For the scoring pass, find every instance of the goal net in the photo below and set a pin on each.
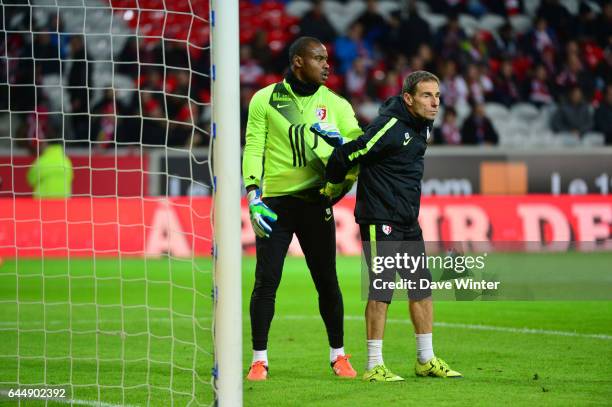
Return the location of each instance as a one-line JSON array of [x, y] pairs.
[[107, 289]]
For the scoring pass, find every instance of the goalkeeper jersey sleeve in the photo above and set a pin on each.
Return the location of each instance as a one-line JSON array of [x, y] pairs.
[[281, 156]]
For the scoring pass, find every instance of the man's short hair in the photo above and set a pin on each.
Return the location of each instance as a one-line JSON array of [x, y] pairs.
[[413, 79], [300, 46]]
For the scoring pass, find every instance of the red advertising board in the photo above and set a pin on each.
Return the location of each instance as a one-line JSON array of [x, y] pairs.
[[181, 226], [97, 175]]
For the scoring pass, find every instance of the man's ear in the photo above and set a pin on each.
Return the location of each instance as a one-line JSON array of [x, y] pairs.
[[408, 98], [298, 61]]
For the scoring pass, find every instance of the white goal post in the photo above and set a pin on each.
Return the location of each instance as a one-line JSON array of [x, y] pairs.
[[227, 229]]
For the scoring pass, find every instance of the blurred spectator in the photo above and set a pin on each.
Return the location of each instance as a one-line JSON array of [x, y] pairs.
[[375, 27], [549, 60], [540, 87], [104, 121], [604, 68], [127, 61], [315, 24], [557, 16], [154, 123], [477, 128], [411, 26], [58, 36], [453, 87], [447, 6], [357, 79], [476, 49], [586, 23], [391, 86], [46, 54], [427, 56], [573, 115], [448, 133], [79, 80], [504, 8], [574, 74], [476, 8], [507, 89], [449, 38], [250, 71], [367, 111], [351, 46], [175, 54], [51, 174], [603, 116], [479, 84], [542, 37], [603, 25], [507, 44], [262, 52]]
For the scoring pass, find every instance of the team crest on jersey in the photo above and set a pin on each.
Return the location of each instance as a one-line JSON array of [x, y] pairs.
[[321, 113], [387, 229]]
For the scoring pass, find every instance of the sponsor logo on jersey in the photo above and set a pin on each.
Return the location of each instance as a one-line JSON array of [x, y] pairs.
[[279, 97]]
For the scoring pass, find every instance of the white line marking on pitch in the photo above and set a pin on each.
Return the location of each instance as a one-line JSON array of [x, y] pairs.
[[72, 402], [474, 327]]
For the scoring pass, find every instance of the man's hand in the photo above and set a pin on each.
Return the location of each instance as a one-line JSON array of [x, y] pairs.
[[261, 215], [329, 133]]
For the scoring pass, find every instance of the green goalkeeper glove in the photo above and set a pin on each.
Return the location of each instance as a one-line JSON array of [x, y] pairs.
[[335, 192], [332, 191], [329, 133], [261, 214]]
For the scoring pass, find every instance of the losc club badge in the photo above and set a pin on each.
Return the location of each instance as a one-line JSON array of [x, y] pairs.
[[387, 229], [321, 113]]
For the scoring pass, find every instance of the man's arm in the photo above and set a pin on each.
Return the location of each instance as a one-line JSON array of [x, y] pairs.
[[252, 167], [366, 148], [252, 159]]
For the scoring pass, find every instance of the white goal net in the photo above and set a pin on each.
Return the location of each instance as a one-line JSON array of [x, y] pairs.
[[106, 195]]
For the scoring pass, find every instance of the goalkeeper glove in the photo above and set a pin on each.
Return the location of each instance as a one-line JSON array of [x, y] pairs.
[[329, 133], [261, 215], [332, 191]]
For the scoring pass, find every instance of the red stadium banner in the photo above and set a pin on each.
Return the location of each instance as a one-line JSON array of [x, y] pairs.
[[181, 226]]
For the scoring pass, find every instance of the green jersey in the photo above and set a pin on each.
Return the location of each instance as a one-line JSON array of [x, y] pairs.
[[279, 145], [51, 174]]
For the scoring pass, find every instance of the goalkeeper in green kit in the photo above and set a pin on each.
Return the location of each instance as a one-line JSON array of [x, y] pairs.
[[283, 170]]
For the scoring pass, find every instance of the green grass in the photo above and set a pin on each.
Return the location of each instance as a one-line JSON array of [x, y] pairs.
[[499, 366]]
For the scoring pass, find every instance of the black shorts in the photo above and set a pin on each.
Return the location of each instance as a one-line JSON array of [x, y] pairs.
[[390, 250]]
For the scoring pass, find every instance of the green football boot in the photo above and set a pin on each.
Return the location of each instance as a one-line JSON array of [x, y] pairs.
[[381, 373], [435, 367]]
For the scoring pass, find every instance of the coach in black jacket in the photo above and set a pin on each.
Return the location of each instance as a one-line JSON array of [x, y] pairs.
[[390, 155]]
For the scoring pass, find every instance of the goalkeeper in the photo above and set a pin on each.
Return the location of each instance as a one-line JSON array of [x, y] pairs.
[[287, 201], [390, 155]]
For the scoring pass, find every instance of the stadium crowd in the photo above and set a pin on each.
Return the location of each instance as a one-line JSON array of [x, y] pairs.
[[486, 53], [512, 66]]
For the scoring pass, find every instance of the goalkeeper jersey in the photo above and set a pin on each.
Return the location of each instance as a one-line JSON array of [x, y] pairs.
[[281, 155]]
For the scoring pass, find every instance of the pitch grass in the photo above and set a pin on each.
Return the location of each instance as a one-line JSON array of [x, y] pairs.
[[499, 366]]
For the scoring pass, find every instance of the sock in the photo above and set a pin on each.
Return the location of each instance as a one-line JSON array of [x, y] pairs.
[[424, 347], [334, 353], [375, 353], [260, 355]]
